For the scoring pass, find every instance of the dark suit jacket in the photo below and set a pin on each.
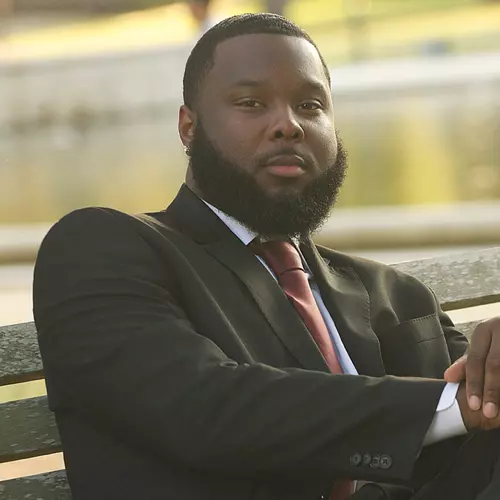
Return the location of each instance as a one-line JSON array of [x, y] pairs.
[[177, 368]]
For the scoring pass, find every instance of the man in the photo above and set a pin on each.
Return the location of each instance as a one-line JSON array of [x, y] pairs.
[[212, 351]]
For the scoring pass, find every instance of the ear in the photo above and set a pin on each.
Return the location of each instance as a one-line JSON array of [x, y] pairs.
[[186, 125]]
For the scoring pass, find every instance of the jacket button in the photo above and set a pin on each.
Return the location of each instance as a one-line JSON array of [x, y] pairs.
[[375, 463], [367, 458], [356, 459], [385, 462]]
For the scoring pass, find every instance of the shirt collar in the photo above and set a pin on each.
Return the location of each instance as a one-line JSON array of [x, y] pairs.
[[242, 232], [246, 235]]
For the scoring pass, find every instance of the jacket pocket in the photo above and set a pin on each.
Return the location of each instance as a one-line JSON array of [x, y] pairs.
[[416, 348]]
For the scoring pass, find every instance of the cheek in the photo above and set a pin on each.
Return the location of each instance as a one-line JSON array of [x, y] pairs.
[[323, 141], [240, 138]]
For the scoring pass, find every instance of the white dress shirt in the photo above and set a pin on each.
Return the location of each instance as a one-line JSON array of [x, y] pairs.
[[447, 421]]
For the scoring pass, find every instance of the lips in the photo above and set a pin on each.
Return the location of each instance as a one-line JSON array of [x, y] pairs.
[[292, 160], [286, 166]]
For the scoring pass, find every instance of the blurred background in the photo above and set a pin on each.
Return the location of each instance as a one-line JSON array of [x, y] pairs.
[[89, 93]]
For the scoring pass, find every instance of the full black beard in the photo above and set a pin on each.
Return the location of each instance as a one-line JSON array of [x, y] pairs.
[[231, 189]]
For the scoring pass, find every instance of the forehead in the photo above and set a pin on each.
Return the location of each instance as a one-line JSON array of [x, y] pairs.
[[266, 57]]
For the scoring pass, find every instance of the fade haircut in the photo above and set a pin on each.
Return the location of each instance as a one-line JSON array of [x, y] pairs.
[[202, 57]]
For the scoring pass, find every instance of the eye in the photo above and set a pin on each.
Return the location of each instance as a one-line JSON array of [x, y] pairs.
[[249, 103], [311, 106]]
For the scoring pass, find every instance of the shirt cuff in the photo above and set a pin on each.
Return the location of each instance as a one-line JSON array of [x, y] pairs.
[[447, 422]]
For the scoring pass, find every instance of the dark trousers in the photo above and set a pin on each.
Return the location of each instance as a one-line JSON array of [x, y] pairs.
[[472, 474]]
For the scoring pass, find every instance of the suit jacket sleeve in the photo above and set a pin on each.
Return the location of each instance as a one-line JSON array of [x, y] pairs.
[[121, 352]]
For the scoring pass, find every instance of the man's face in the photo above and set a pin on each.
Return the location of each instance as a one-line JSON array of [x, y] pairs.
[[264, 147]]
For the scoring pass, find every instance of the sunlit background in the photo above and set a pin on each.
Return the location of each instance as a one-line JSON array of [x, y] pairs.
[[89, 92], [89, 98]]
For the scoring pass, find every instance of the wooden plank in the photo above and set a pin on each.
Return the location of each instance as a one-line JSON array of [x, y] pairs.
[[460, 280], [49, 486], [28, 429], [19, 354]]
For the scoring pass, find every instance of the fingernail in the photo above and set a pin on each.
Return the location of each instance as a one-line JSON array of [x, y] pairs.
[[490, 410], [474, 403]]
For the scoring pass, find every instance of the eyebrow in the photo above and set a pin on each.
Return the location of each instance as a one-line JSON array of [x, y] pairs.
[[308, 84], [247, 82], [316, 85]]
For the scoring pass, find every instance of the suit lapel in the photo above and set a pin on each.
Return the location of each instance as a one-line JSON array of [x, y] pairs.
[[193, 217], [271, 300], [347, 300]]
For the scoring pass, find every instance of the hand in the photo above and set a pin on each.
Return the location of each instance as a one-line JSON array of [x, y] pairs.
[[474, 419], [480, 368]]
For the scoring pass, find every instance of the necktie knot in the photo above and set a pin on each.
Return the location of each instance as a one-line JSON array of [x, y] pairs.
[[281, 256]]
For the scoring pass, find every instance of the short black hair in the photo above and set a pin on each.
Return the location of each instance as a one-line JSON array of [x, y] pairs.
[[202, 57]]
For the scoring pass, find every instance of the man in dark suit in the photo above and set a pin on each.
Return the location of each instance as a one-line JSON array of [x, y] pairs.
[[212, 351]]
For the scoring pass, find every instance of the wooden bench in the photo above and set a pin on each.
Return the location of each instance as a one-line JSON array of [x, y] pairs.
[[28, 429]]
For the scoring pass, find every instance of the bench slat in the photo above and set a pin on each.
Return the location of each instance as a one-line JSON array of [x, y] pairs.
[[49, 486], [19, 356], [28, 429], [460, 280]]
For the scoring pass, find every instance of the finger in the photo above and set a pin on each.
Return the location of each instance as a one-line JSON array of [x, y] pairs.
[[476, 360], [491, 391], [456, 372]]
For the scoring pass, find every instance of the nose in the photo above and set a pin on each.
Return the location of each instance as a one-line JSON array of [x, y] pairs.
[[284, 125]]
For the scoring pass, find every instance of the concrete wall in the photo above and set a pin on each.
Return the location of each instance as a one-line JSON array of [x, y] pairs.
[[79, 91]]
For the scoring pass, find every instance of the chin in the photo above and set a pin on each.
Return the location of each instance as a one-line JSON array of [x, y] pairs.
[[284, 187]]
